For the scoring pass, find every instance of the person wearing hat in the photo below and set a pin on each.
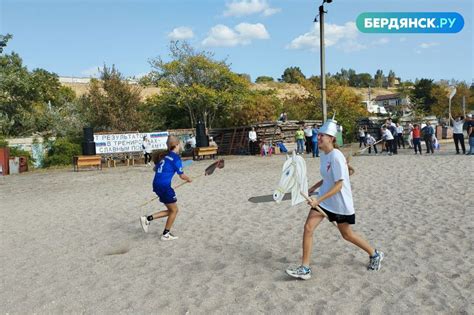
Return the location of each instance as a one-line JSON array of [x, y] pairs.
[[165, 169], [335, 199]]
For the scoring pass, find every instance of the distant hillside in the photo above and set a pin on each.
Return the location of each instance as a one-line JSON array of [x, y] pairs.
[[82, 88], [283, 90]]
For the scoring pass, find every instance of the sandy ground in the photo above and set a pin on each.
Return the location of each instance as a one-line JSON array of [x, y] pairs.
[[71, 242]]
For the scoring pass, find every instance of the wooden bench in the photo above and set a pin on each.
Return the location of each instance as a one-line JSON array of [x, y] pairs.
[[201, 152], [111, 159], [86, 160]]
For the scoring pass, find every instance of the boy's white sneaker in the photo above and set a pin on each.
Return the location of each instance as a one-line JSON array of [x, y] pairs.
[[144, 223], [168, 237]]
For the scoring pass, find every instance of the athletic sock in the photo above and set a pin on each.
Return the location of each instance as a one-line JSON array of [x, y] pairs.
[[166, 232], [149, 218]]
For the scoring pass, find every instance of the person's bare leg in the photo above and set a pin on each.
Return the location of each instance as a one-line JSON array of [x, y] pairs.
[[173, 211], [354, 238], [312, 221], [161, 214]]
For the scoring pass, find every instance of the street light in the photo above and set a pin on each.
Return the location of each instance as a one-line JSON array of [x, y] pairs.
[[322, 57]]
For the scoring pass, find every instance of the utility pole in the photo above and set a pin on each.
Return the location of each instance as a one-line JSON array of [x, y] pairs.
[[322, 58]]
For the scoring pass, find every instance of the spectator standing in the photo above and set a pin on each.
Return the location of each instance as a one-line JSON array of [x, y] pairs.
[[388, 137], [314, 141], [253, 145], [401, 142], [146, 146], [362, 137], [428, 132], [458, 134], [308, 135], [470, 134], [416, 138], [299, 137]]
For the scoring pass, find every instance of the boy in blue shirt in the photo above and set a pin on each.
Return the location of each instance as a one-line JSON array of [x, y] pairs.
[[165, 170]]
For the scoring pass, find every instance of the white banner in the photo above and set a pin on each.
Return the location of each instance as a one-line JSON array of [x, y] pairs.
[[128, 142]]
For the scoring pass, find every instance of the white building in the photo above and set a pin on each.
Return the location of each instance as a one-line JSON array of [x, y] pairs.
[[373, 107]]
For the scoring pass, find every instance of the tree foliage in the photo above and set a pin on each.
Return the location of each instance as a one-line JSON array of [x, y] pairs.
[[264, 79], [421, 95], [292, 75], [30, 101], [193, 82], [112, 103]]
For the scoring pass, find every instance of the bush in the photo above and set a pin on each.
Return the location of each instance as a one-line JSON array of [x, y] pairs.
[[15, 152], [61, 151]]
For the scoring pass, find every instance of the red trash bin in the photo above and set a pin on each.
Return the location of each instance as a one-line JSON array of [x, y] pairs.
[[4, 160]]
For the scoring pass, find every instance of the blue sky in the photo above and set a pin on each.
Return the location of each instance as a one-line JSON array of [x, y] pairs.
[[257, 37]]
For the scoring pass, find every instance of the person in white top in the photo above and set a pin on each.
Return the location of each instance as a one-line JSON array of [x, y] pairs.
[[335, 199], [308, 134], [253, 145], [146, 146], [371, 143], [388, 138], [458, 134], [400, 140]]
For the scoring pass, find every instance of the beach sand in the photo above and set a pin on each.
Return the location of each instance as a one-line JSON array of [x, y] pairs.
[[72, 243]]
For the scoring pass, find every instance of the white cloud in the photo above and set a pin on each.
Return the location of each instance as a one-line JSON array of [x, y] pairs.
[[91, 72], [428, 45], [249, 7], [181, 33], [242, 34], [342, 36], [381, 41]]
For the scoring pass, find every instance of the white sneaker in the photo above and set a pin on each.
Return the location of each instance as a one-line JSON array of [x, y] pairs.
[[144, 223], [149, 164], [301, 272], [168, 237]]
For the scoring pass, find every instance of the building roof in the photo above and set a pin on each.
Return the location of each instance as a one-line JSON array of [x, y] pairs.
[[387, 97]]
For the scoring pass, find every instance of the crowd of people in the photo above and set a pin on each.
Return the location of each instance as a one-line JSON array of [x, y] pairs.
[[393, 137]]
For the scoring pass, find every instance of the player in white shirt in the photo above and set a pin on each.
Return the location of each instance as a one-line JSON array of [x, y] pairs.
[[335, 199]]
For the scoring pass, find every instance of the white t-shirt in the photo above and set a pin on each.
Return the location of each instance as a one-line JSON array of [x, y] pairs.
[[308, 132], [387, 135], [252, 135], [147, 146], [334, 168], [370, 140], [457, 126]]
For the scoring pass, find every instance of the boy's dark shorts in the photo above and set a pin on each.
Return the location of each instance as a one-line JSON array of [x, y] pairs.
[[339, 218], [166, 194]]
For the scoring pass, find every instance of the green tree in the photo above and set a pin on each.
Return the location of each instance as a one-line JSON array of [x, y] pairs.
[[4, 40], [292, 75], [363, 80], [348, 108], [192, 81], [112, 103], [379, 78], [29, 100], [264, 79], [421, 95], [391, 78]]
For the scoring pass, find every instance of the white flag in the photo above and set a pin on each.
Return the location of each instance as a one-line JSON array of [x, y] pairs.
[[452, 91]]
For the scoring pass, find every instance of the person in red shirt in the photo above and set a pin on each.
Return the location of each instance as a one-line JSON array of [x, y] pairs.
[[417, 138]]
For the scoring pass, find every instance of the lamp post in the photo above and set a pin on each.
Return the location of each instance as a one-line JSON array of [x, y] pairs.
[[322, 57]]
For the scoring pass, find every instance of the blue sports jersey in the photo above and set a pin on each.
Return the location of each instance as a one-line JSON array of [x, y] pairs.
[[165, 170]]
